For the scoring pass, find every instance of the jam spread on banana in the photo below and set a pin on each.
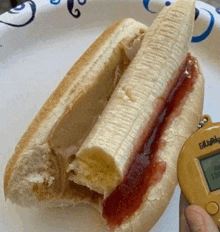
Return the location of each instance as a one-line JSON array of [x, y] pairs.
[[146, 170]]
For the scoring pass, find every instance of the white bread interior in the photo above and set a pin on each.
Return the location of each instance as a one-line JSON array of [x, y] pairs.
[[36, 174], [131, 107], [159, 196]]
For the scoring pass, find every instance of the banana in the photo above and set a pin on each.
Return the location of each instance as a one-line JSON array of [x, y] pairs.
[[86, 143], [101, 162]]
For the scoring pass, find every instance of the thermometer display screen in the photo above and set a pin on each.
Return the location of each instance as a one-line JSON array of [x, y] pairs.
[[211, 169]]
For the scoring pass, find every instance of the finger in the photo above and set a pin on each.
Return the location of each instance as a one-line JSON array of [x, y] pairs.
[[183, 225], [199, 220]]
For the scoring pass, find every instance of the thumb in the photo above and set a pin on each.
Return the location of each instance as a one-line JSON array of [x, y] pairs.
[[199, 220]]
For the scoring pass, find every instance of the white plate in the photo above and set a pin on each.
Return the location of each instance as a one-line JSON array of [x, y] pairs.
[[34, 58]]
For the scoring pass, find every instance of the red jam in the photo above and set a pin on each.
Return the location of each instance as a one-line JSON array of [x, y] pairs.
[[146, 170]]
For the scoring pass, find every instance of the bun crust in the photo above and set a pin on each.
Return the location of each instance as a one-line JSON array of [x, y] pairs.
[[79, 146], [24, 182], [159, 196], [162, 51]]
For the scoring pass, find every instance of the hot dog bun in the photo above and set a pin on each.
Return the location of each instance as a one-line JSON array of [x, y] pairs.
[[33, 174], [81, 144], [103, 160]]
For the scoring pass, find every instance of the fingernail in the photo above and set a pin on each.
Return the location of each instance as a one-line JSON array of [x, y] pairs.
[[196, 221]]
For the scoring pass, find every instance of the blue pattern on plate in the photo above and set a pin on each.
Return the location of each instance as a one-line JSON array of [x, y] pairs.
[[195, 39], [55, 2], [76, 13], [70, 6], [82, 2], [167, 3], [197, 13], [207, 32], [146, 5], [18, 9]]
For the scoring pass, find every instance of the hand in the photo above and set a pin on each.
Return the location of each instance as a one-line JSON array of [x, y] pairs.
[[194, 218]]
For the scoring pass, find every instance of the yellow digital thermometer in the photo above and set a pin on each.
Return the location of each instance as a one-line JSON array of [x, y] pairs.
[[199, 168]]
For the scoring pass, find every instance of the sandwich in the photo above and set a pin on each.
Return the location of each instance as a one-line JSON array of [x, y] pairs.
[[110, 134]]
